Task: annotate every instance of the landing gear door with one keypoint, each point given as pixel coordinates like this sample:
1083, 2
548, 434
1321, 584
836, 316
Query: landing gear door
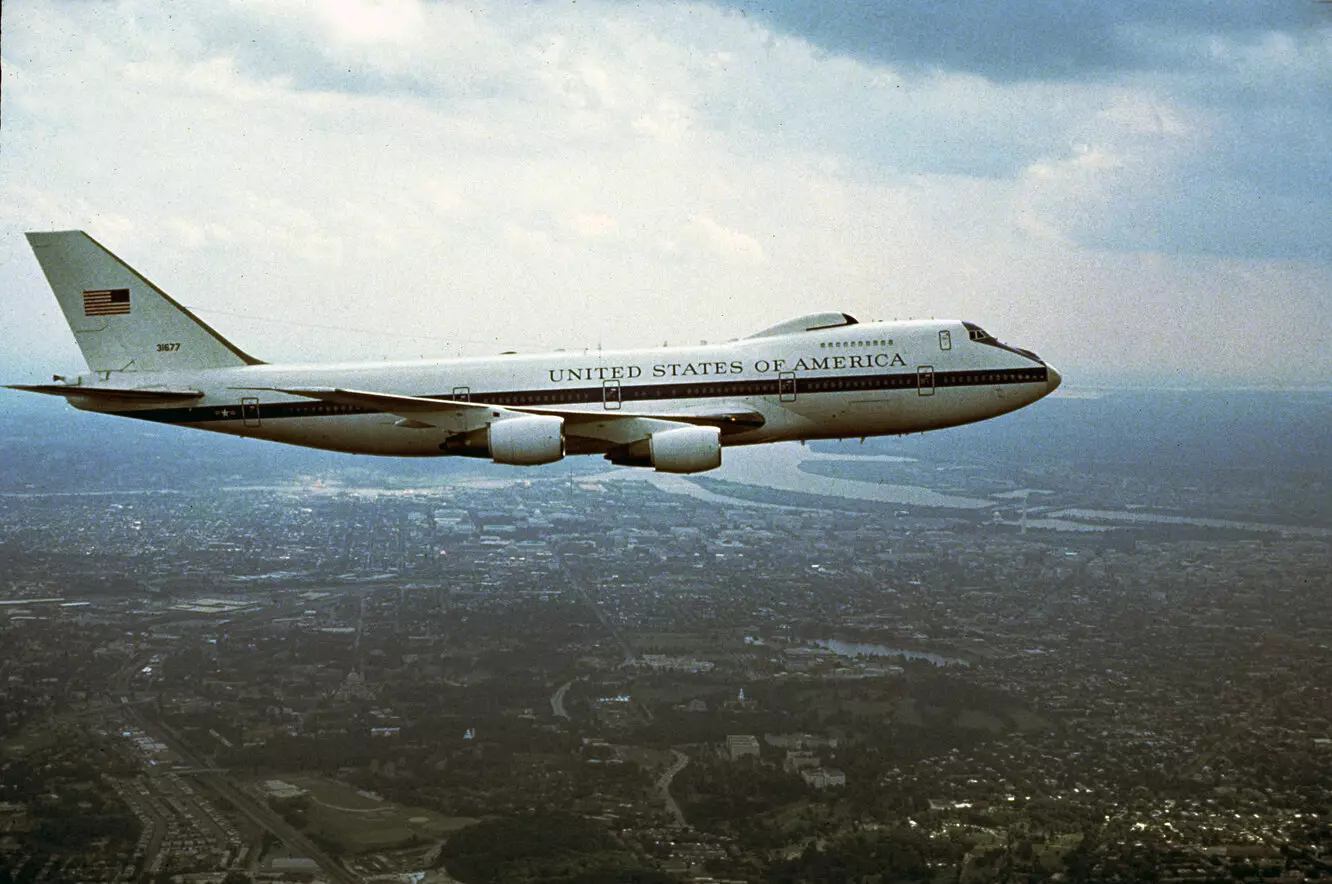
786, 386
250, 411
925, 380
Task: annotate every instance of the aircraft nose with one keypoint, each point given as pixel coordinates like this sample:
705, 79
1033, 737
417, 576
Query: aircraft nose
1052, 379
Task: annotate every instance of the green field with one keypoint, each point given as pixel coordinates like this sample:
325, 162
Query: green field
361, 822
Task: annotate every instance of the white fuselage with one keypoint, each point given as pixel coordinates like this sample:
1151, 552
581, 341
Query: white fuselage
865, 379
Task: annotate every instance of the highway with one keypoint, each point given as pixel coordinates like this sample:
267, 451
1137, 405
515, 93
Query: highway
664, 787
253, 809
219, 783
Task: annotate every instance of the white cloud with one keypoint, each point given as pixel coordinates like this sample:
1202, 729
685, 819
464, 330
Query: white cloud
723, 241
536, 176
591, 225
1124, 158
372, 21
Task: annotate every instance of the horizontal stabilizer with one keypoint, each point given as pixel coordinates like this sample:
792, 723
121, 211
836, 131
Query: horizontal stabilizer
109, 394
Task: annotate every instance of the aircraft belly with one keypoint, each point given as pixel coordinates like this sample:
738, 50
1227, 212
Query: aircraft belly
907, 411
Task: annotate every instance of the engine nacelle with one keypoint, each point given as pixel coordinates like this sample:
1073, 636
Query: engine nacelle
686, 450
526, 441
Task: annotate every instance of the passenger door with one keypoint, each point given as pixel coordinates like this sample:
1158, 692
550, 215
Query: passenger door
925, 380
610, 395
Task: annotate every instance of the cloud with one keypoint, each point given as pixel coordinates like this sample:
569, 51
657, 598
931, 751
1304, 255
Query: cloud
723, 241
396, 22
1009, 40
591, 225
502, 176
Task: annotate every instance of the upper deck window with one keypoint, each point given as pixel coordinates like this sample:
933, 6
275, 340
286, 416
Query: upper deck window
882, 342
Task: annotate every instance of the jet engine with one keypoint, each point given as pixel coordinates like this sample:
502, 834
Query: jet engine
685, 450
526, 441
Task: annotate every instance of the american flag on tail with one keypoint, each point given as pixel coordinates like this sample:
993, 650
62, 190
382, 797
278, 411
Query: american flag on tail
106, 302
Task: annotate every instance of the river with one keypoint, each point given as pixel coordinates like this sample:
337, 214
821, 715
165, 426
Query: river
868, 649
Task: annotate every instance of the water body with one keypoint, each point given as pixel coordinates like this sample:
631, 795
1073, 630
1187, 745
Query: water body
869, 649
673, 484
1139, 518
778, 467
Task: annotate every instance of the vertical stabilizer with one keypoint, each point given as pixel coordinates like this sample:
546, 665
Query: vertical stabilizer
123, 322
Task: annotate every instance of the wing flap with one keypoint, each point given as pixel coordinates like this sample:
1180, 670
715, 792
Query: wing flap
729, 422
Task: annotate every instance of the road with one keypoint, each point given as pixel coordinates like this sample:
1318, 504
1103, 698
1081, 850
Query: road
664, 787
209, 778
250, 807
557, 701
580, 584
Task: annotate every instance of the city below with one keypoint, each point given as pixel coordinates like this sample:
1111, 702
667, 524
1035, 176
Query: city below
1087, 642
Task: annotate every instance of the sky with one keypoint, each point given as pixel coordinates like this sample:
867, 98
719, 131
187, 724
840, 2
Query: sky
1139, 191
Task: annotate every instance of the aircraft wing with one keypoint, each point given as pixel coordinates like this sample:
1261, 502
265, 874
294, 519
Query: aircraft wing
461, 417
415, 411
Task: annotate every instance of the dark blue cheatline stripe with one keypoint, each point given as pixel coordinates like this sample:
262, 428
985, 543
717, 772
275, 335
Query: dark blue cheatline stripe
638, 393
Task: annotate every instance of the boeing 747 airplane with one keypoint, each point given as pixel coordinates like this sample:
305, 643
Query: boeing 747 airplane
820, 376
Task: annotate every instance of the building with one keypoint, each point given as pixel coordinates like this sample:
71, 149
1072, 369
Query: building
824, 777
739, 745
798, 759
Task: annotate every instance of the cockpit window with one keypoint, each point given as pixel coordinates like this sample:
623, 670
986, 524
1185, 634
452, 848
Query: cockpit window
980, 335
977, 333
